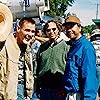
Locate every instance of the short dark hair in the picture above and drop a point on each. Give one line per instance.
(24, 19)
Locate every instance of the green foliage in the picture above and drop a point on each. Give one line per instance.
(58, 7)
(89, 28)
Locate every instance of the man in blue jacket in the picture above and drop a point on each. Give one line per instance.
(80, 73)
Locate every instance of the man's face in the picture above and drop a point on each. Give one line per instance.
(26, 32)
(52, 31)
(73, 31)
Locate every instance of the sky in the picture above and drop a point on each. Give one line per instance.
(85, 10)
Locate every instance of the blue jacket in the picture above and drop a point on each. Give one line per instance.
(80, 72)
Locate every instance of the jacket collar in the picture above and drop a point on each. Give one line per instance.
(76, 42)
(1, 45)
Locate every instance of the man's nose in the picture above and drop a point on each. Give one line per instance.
(31, 34)
(51, 31)
(28, 36)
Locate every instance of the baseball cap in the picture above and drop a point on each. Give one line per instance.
(71, 19)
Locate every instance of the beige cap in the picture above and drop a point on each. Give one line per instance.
(71, 19)
(6, 21)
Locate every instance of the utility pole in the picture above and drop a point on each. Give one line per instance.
(97, 5)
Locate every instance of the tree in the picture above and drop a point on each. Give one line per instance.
(89, 28)
(58, 7)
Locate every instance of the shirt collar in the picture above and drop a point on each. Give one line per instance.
(76, 42)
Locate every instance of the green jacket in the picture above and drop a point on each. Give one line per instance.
(51, 57)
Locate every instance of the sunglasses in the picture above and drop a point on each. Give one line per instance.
(49, 30)
(70, 25)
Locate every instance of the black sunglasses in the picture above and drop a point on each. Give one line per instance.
(48, 30)
(70, 25)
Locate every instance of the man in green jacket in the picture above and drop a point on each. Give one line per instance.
(51, 63)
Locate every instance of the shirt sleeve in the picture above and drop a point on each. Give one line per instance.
(89, 79)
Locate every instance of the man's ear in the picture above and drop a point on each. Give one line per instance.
(18, 29)
(80, 29)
